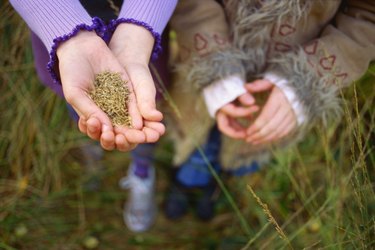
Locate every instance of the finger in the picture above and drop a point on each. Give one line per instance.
(246, 99)
(238, 111)
(107, 140)
(292, 126)
(228, 127)
(85, 107)
(259, 85)
(270, 126)
(93, 128)
(82, 125)
(151, 135)
(278, 129)
(145, 91)
(134, 136)
(122, 144)
(268, 111)
(275, 101)
(157, 126)
(132, 105)
(271, 136)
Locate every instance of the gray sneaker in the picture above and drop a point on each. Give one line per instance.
(140, 209)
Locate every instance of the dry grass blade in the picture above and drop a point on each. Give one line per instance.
(270, 217)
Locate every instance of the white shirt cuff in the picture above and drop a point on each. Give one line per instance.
(222, 92)
(290, 95)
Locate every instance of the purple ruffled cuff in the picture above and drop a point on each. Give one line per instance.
(157, 46)
(97, 25)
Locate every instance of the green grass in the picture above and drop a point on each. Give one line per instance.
(317, 195)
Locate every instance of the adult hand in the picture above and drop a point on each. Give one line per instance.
(132, 45)
(226, 117)
(277, 118)
(80, 59)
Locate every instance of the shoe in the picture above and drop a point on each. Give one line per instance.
(205, 207)
(140, 209)
(176, 203)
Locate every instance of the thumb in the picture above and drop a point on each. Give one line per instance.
(145, 92)
(246, 99)
(85, 107)
(233, 110)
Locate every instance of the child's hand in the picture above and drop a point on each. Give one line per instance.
(80, 59)
(132, 45)
(226, 117)
(277, 118)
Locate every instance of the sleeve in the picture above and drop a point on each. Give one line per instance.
(340, 55)
(50, 19)
(153, 15)
(55, 22)
(205, 54)
(221, 92)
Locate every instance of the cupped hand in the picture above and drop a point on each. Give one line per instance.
(276, 119)
(132, 46)
(80, 59)
(228, 115)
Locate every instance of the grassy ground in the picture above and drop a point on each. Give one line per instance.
(317, 195)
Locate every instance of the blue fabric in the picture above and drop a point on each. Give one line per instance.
(194, 171)
(244, 170)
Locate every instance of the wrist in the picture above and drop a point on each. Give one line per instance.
(222, 92)
(83, 37)
(132, 43)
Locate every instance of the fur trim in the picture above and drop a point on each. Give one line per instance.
(250, 25)
(202, 71)
(318, 95)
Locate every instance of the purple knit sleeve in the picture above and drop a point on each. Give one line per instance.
(151, 14)
(50, 19)
(55, 22)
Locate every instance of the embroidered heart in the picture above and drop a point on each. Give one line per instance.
(282, 47)
(286, 29)
(341, 77)
(310, 49)
(200, 42)
(327, 62)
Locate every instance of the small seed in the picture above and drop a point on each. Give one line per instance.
(111, 94)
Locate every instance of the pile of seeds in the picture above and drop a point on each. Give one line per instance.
(111, 94)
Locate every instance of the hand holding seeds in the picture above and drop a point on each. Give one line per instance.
(134, 56)
(81, 59)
